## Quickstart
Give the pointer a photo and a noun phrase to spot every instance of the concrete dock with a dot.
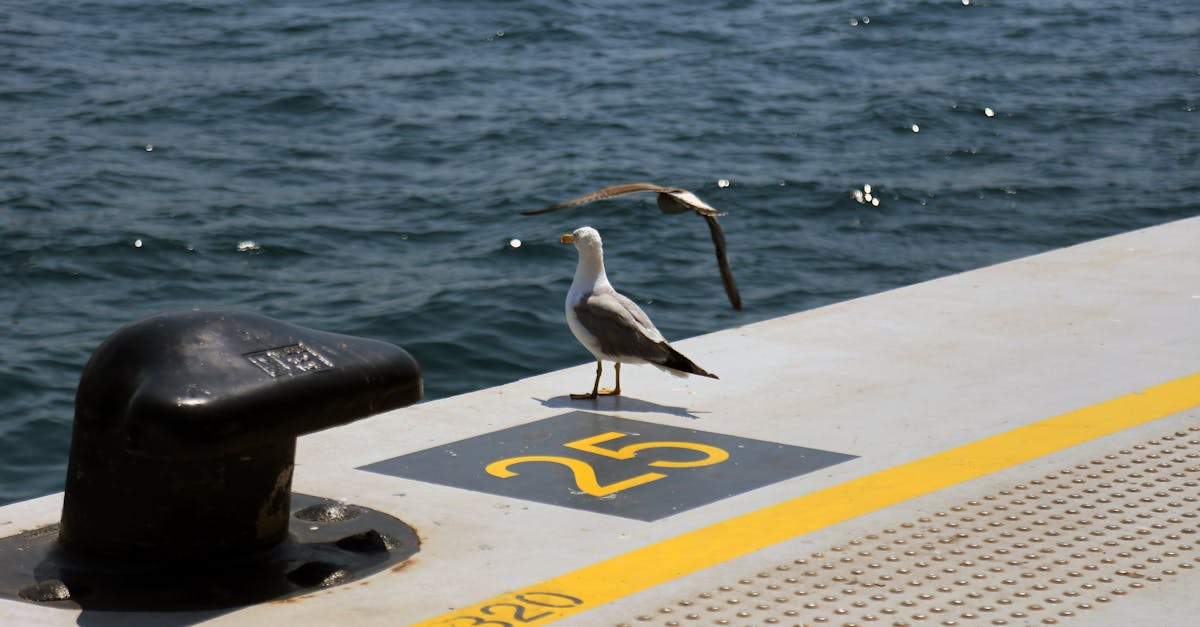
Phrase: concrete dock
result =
(1014, 445)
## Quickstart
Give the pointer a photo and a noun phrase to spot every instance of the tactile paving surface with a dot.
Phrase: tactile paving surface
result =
(1042, 552)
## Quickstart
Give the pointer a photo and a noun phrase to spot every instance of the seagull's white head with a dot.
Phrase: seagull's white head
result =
(591, 257)
(586, 240)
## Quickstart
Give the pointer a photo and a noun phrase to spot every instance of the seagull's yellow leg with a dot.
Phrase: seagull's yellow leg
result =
(616, 391)
(595, 385)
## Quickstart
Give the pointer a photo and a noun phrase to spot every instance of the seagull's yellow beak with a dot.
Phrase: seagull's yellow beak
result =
(567, 238)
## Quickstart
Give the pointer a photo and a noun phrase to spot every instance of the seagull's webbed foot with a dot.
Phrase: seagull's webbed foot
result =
(595, 387)
(596, 391)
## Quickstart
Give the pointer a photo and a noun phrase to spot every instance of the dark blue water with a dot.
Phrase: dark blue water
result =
(358, 166)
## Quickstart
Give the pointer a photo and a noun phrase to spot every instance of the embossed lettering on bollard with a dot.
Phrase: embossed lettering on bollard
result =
(289, 361)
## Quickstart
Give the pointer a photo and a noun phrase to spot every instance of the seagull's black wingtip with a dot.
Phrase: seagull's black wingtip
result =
(718, 239)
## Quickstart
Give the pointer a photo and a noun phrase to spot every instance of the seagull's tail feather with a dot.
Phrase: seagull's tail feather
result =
(675, 363)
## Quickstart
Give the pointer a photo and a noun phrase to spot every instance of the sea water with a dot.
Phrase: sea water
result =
(358, 166)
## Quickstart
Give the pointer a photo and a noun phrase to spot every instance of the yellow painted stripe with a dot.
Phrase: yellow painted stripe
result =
(623, 575)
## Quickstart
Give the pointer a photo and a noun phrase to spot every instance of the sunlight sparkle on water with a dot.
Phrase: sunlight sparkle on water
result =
(864, 196)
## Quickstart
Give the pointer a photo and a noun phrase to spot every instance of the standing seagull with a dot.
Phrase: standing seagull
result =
(610, 325)
(671, 200)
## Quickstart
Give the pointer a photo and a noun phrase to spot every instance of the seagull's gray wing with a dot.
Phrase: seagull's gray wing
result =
(681, 200)
(601, 194)
(620, 327)
(718, 238)
(624, 331)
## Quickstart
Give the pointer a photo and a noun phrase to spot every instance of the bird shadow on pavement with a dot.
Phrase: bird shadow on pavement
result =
(617, 403)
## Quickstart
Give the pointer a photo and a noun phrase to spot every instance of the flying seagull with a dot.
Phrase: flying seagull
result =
(671, 200)
(610, 325)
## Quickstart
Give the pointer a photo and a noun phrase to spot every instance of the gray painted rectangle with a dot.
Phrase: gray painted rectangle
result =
(634, 469)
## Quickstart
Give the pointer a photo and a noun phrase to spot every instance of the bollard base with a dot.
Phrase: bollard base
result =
(329, 543)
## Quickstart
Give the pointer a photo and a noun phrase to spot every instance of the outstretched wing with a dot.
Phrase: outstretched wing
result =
(607, 192)
(685, 200)
(718, 238)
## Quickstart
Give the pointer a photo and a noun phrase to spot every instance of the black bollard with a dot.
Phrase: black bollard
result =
(186, 425)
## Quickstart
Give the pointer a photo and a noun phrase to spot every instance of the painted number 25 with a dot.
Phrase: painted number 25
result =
(585, 475)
